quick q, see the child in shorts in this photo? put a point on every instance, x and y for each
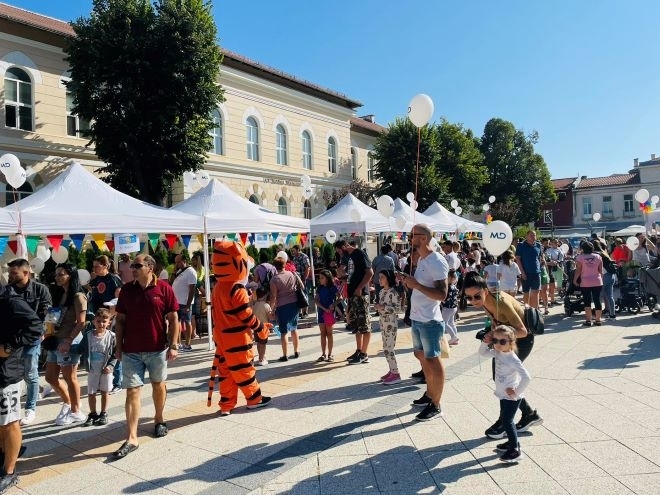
(98, 344)
(264, 314)
(326, 294)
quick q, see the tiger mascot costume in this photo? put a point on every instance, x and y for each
(234, 329)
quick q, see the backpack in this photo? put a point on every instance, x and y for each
(609, 265)
(534, 321)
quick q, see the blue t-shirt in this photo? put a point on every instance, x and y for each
(529, 257)
(327, 295)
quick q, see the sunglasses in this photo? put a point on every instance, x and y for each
(501, 341)
(476, 297)
(136, 266)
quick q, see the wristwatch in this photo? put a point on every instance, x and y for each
(174, 348)
(9, 349)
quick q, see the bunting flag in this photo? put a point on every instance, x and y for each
(142, 244)
(303, 239)
(287, 240)
(55, 240)
(99, 239)
(251, 238)
(3, 244)
(111, 245)
(200, 238)
(275, 235)
(13, 245)
(231, 237)
(77, 240)
(186, 240)
(171, 239)
(153, 239)
(244, 237)
(32, 241)
(318, 242)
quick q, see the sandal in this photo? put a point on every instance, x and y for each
(160, 430)
(282, 359)
(321, 358)
(125, 449)
(587, 323)
(598, 323)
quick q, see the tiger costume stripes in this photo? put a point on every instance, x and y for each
(234, 329)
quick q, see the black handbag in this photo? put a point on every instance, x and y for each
(301, 297)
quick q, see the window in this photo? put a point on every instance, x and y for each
(254, 199)
(586, 207)
(370, 167)
(75, 126)
(607, 206)
(18, 99)
(216, 133)
(252, 130)
(628, 205)
(12, 195)
(280, 144)
(353, 163)
(332, 156)
(307, 150)
(307, 209)
(282, 208)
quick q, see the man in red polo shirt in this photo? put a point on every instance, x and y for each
(147, 329)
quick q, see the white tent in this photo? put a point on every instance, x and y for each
(351, 215)
(403, 210)
(78, 202)
(629, 231)
(225, 211)
(443, 215)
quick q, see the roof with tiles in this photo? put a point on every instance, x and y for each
(231, 59)
(611, 180)
(563, 183)
(361, 125)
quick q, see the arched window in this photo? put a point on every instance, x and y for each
(252, 138)
(254, 199)
(307, 209)
(216, 133)
(332, 155)
(75, 126)
(18, 99)
(354, 161)
(282, 207)
(280, 145)
(370, 167)
(12, 195)
(307, 150)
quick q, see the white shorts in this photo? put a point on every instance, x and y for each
(10, 404)
(99, 382)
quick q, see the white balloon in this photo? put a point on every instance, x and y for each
(486, 207)
(43, 253)
(400, 222)
(655, 199)
(458, 210)
(497, 237)
(307, 192)
(8, 163)
(355, 215)
(491, 199)
(305, 181)
(16, 178)
(564, 248)
(283, 255)
(420, 110)
(414, 204)
(385, 205)
(37, 265)
(596, 216)
(410, 196)
(642, 195)
(454, 203)
(331, 236)
(632, 242)
(60, 254)
(203, 178)
(84, 276)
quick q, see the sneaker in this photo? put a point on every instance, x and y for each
(364, 358)
(282, 359)
(455, 341)
(102, 419)
(261, 362)
(512, 456)
(330, 358)
(185, 348)
(64, 412)
(77, 417)
(160, 430)
(91, 419)
(424, 401)
(385, 376)
(295, 355)
(115, 389)
(47, 390)
(7, 481)
(355, 354)
(321, 358)
(355, 359)
(29, 417)
(392, 379)
(503, 447)
(528, 420)
(418, 374)
(264, 402)
(429, 412)
(496, 431)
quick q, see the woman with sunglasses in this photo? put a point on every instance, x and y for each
(69, 297)
(503, 309)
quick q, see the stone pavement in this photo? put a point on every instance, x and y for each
(334, 429)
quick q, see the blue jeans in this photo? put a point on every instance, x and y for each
(508, 410)
(608, 292)
(117, 375)
(31, 375)
(426, 337)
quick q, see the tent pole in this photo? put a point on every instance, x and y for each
(207, 287)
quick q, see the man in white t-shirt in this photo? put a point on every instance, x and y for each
(453, 261)
(429, 288)
(184, 287)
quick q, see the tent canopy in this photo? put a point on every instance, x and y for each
(629, 231)
(412, 217)
(351, 215)
(442, 215)
(225, 211)
(79, 202)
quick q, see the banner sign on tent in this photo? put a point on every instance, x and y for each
(127, 243)
(261, 241)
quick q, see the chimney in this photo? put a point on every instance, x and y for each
(636, 162)
(369, 118)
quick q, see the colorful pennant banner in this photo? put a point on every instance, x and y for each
(32, 241)
(153, 239)
(186, 240)
(3, 244)
(55, 240)
(171, 240)
(77, 240)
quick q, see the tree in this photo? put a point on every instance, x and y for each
(358, 188)
(518, 176)
(145, 76)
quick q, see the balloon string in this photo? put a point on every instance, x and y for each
(20, 226)
(419, 139)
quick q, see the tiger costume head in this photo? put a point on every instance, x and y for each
(230, 262)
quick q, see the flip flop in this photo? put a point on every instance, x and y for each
(125, 449)
(160, 430)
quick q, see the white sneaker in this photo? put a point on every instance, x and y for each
(46, 391)
(29, 417)
(77, 417)
(64, 412)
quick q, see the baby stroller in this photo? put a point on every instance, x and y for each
(632, 296)
(650, 280)
(573, 300)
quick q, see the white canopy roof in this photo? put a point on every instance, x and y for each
(412, 217)
(443, 215)
(226, 211)
(79, 202)
(343, 218)
(629, 231)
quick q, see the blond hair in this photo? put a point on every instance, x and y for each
(510, 333)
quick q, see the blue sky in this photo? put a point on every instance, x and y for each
(585, 74)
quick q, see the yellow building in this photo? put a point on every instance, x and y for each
(272, 129)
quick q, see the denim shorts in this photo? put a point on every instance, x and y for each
(134, 364)
(184, 316)
(426, 337)
(287, 317)
(63, 358)
(533, 282)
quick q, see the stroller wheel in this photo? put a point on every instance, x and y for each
(617, 307)
(635, 309)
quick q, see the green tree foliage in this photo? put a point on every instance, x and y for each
(146, 77)
(358, 188)
(517, 175)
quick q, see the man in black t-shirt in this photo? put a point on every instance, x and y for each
(359, 275)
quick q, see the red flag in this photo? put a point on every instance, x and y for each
(303, 239)
(111, 245)
(13, 245)
(171, 240)
(244, 237)
(55, 240)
